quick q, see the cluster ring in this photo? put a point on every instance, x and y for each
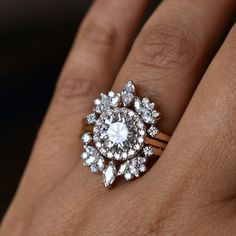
(120, 135)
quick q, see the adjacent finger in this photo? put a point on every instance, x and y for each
(101, 44)
(98, 51)
(172, 51)
(202, 154)
(166, 59)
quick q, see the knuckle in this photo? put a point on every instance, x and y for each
(99, 34)
(73, 88)
(165, 47)
(73, 95)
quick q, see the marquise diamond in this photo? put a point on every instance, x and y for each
(127, 93)
(109, 174)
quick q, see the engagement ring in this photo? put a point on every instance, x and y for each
(121, 135)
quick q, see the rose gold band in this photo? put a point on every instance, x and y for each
(158, 143)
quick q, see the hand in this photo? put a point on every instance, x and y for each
(191, 190)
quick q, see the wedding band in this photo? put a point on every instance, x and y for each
(121, 135)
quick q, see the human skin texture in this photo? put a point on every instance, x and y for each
(191, 190)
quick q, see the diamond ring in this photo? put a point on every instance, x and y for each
(121, 135)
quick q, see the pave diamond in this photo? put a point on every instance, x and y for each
(119, 133)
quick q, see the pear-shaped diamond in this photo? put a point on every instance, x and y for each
(109, 174)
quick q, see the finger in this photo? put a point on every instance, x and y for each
(202, 153)
(172, 51)
(167, 54)
(99, 49)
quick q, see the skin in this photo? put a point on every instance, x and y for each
(191, 190)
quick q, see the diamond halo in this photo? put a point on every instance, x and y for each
(119, 134)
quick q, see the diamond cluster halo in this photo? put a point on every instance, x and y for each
(120, 135)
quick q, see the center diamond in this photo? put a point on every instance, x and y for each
(119, 133)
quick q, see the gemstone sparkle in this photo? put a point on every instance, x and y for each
(119, 134)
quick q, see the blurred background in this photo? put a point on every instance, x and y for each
(35, 38)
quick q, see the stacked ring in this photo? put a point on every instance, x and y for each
(121, 135)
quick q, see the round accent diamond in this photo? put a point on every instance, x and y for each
(86, 138)
(117, 132)
(153, 131)
(148, 151)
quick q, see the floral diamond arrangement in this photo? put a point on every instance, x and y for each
(115, 143)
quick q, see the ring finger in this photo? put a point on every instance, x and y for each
(168, 59)
(99, 50)
(172, 51)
